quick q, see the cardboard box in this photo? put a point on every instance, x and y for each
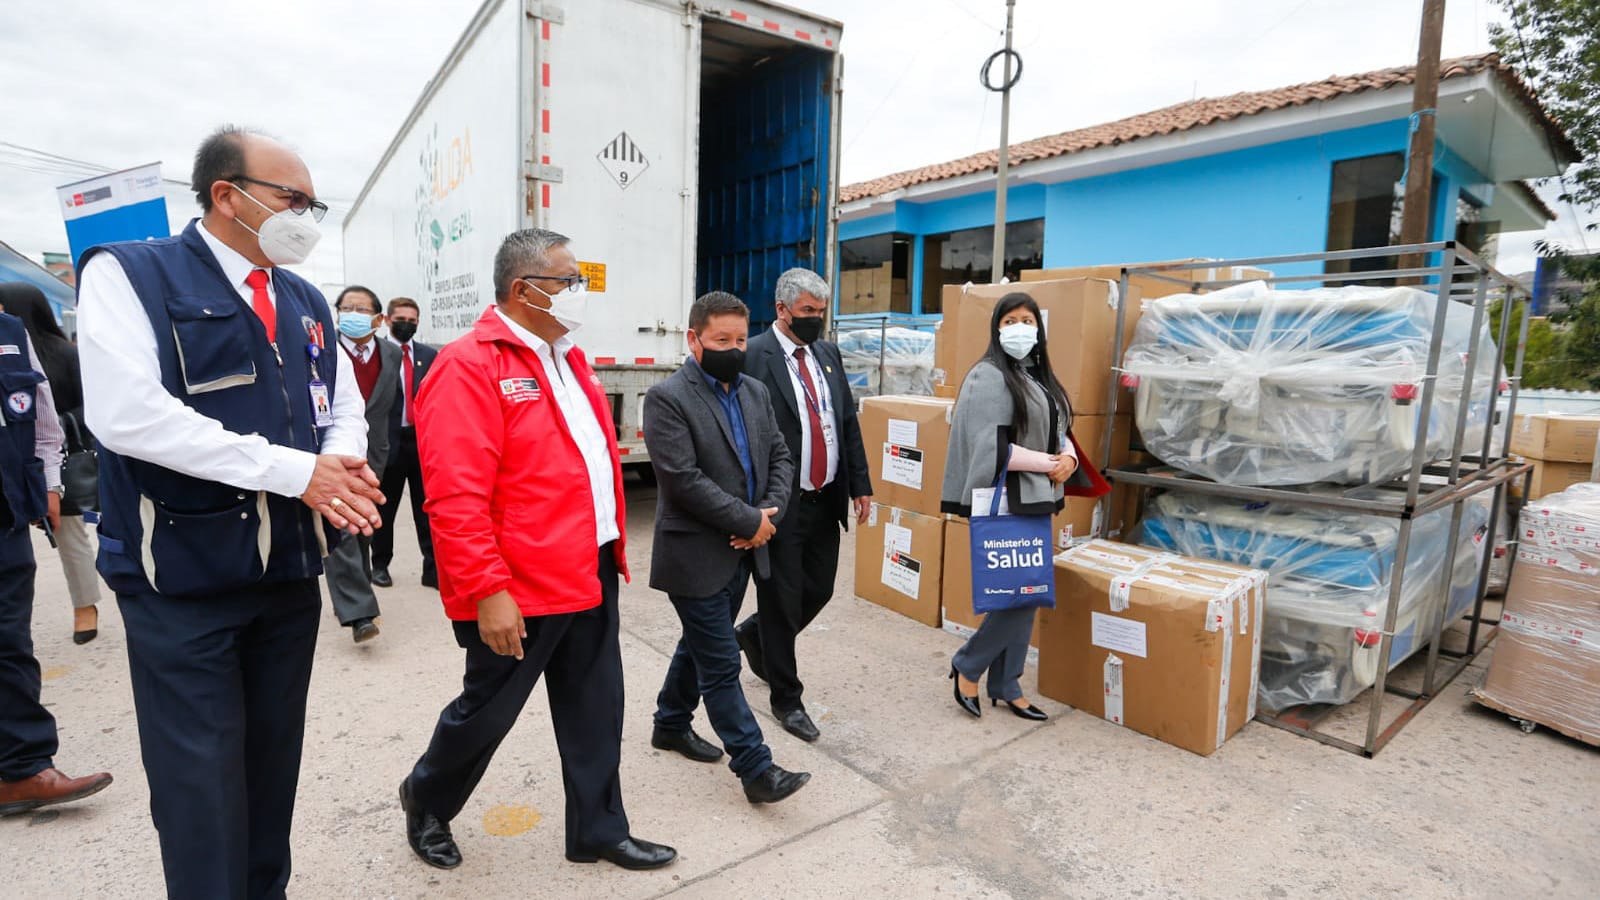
(1080, 320)
(1165, 645)
(956, 596)
(1546, 663)
(944, 336)
(946, 391)
(1552, 478)
(907, 440)
(1151, 288)
(1556, 438)
(900, 562)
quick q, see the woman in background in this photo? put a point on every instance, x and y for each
(1011, 415)
(58, 356)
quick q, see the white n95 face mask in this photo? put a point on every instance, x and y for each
(286, 237)
(567, 307)
(1018, 339)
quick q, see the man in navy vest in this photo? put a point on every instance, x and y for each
(230, 428)
(30, 458)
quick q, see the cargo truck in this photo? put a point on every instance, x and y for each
(683, 146)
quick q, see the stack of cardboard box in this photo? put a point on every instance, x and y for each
(870, 290)
(1546, 664)
(900, 551)
(1561, 448)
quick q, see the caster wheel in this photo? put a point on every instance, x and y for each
(1526, 726)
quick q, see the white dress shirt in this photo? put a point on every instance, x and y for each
(129, 410)
(359, 351)
(586, 431)
(823, 396)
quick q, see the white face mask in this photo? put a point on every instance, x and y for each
(286, 237)
(566, 307)
(1018, 339)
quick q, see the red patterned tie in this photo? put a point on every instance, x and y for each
(819, 444)
(405, 379)
(257, 279)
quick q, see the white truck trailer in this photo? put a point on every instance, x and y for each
(684, 146)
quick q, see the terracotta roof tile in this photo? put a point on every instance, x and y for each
(1199, 113)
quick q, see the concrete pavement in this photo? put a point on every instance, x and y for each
(910, 798)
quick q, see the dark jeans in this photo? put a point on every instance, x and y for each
(581, 661)
(219, 688)
(403, 470)
(27, 731)
(804, 563)
(706, 664)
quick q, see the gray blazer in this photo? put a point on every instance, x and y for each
(981, 434)
(381, 404)
(701, 487)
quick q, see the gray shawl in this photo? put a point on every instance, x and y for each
(981, 433)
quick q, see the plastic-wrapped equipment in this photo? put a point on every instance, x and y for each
(1546, 665)
(1250, 385)
(907, 358)
(1331, 575)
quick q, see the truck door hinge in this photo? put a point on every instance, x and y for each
(544, 172)
(553, 13)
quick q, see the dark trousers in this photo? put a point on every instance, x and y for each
(27, 731)
(706, 664)
(348, 568)
(219, 686)
(403, 470)
(581, 661)
(804, 563)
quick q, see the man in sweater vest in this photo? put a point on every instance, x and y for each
(229, 434)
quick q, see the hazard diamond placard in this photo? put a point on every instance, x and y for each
(623, 160)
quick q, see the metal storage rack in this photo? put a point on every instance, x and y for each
(1430, 486)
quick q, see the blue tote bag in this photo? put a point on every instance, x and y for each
(1012, 566)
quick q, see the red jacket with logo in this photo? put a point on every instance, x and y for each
(508, 492)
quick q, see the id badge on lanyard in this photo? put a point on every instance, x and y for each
(815, 402)
(321, 398)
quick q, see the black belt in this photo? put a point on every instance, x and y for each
(811, 496)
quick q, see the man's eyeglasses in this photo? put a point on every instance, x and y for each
(298, 201)
(569, 282)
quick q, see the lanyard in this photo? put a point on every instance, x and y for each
(816, 405)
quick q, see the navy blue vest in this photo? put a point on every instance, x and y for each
(21, 473)
(183, 535)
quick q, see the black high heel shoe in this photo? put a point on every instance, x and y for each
(1031, 713)
(970, 704)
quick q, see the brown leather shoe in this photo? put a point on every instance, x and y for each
(48, 788)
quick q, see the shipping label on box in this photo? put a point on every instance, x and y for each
(1179, 638)
(899, 562)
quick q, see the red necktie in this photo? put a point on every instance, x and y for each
(405, 378)
(819, 444)
(257, 279)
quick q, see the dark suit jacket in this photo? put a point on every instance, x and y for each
(422, 357)
(385, 397)
(764, 360)
(701, 487)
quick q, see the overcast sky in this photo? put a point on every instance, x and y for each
(120, 84)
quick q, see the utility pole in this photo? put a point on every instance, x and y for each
(999, 255)
(1415, 213)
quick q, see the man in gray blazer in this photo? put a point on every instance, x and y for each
(349, 564)
(723, 474)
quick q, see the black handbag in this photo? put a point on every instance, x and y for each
(80, 470)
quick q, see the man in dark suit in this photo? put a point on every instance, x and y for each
(724, 475)
(348, 566)
(404, 470)
(818, 421)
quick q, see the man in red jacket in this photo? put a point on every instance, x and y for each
(525, 501)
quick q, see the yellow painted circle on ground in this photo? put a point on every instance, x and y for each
(509, 819)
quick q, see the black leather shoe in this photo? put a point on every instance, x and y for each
(1031, 713)
(686, 742)
(363, 630)
(430, 579)
(430, 838)
(380, 576)
(774, 784)
(750, 642)
(632, 853)
(970, 704)
(797, 723)
(84, 637)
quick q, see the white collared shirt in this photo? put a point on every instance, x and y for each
(579, 415)
(823, 396)
(129, 410)
(359, 351)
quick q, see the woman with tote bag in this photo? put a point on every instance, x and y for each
(1011, 428)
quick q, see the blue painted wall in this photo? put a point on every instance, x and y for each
(1260, 201)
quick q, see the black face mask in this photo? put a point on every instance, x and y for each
(402, 331)
(723, 365)
(806, 328)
